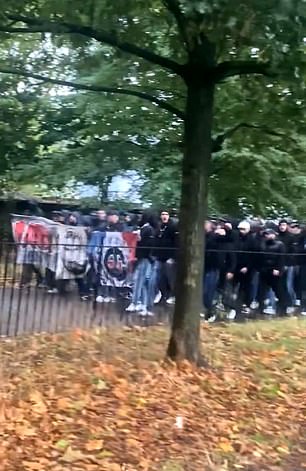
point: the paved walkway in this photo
(34, 310)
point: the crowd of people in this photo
(250, 266)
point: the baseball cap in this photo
(269, 230)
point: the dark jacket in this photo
(299, 249)
(118, 227)
(219, 254)
(145, 245)
(272, 256)
(213, 256)
(287, 239)
(245, 247)
(166, 241)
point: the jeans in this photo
(145, 279)
(211, 279)
(291, 273)
(255, 286)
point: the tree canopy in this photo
(90, 135)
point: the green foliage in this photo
(53, 138)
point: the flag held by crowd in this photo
(67, 252)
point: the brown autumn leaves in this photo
(103, 401)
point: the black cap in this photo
(112, 212)
(269, 230)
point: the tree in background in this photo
(191, 47)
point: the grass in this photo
(105, 400)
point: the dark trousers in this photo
(28, 270)
(244, 295)
(278, 284)
(50, 279)
(166, 277)
(302, 286)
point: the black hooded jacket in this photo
(272, 255)
(166, 241)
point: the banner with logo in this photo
(115, 265)
(112, 256)
(47, 244)
(66, 251)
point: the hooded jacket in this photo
(272, 255)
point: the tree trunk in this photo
(185, 336)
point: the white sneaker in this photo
(298, 303)
(269, 310)
(112, 299)
(254, 305)
(131, 308)
(53, 291)
(246, 311)
(220, 307)
(158, 297)
(231, 315)
(290, 310)
(171, 300)
(303, 313)
(100, 299)
(212, 319)
(146, 313)
(139, 307)
(107, 299)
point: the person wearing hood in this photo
(113, 223)
(166, 249)
(271, 271)
(244, 271)
(145, 275)
(285, 236)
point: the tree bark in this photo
(185, 336)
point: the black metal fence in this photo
(29, 304)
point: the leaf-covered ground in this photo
(104, 400)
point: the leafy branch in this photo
(221, 138)
(41, 25)
(98, 88)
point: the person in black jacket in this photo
(166, 247)
(113, 223)
(145, 275)
(271, 271)
(245, 246)
(299, 248)
(214, 262)
(285, 236)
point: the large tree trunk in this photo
(185, 335)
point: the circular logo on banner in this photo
(115, 264)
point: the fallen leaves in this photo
(94, 445)
(77, 410)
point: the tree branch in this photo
(228, 69)
(221, 138)
(97, 88)
(174, 8)
(41, 25)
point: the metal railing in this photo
(31, 303)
